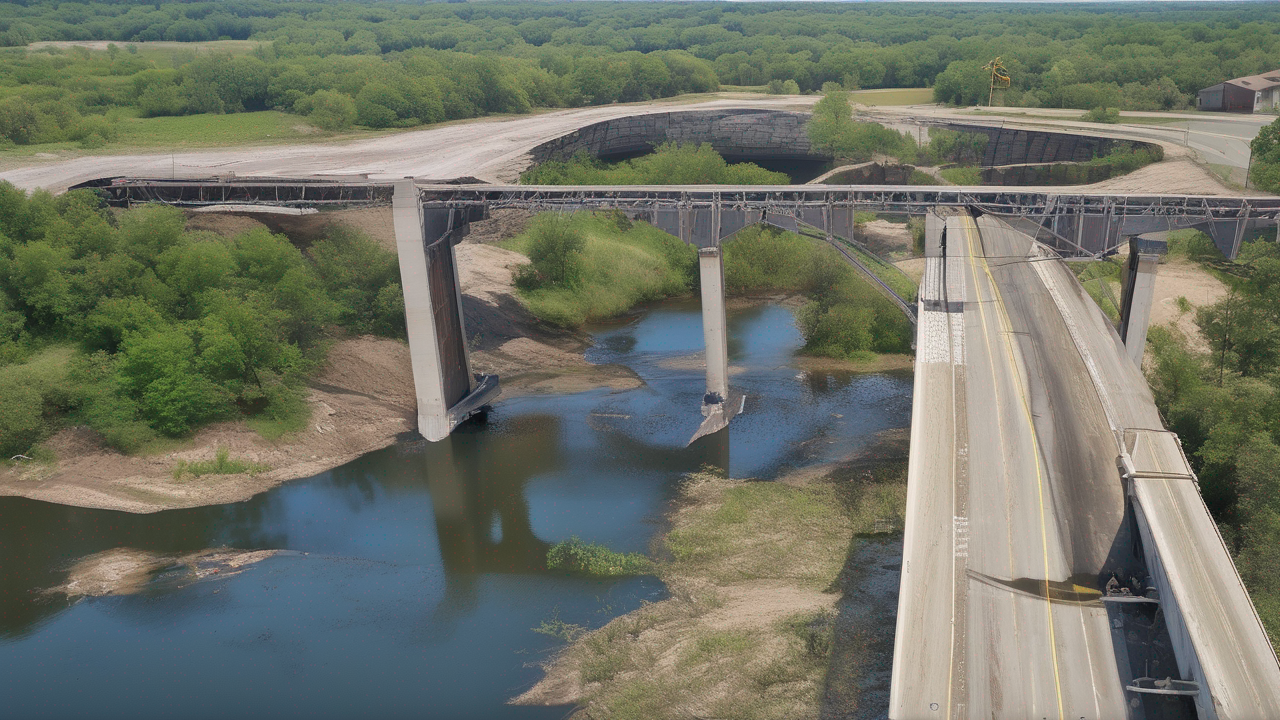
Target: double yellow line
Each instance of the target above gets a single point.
(1007, 327)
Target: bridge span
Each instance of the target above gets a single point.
(1058, 559)
(1040, 470)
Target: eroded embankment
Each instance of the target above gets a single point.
(782, 602)
(361, 401)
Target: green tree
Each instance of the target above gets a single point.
(328, 110)
(1265, 161)
(158, 370)
(555, 251)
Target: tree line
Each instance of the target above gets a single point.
(135, 326)
(385, 64)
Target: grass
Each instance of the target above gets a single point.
(731, 545)
(583, 558)
(215, 130)
(963, 175)
(221, 464)
(195, 131)
(895, 96)
(1102, 281)
(622, 265)
(809, 553)
(888, 273)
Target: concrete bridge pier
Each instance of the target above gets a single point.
(714, 328)
(446, 390)
(1135, 304)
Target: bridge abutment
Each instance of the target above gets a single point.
(1135, 305)
(446, 390)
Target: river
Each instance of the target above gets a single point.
(411, 580)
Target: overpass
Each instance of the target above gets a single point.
(1058, 559)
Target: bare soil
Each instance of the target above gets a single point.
(1183, 278)
(361, 401)
(127, 571)
(886, 238)
(913, 267)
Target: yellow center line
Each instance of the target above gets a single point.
(995, 389)
(1035, 448)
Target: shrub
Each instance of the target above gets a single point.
(161, 100)
(669, 164)
(963, 175)
(834, 132)
(360, 276)
(783, 87)
(1107, 115)
(582, 558)
(916, 227)
(555, 252)
(619, 268)
(328, 109)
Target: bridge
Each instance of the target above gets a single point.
(1058, 558)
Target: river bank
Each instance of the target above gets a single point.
(362, 400)
(771, 584)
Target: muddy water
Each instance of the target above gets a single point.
(411, 579)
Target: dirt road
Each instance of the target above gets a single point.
(490, 149)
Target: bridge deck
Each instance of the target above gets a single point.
(1017, 513)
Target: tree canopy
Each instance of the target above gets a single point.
(398, 64)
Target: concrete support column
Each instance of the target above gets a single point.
(714, 328)
(1135, 307)
(424, 349)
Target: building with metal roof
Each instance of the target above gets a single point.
(1254, 93)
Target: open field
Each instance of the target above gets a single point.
(892, 96)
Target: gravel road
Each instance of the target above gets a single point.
(492, 149)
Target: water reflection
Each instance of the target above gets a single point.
(416, 573)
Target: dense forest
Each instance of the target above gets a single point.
(384, 64)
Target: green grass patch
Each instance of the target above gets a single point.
(583, 558)
(724, 541)
(896, 96)
(888, 273)
(621, 264)
(963, 175)
(207, 130)
(717, 647)
(221, 464)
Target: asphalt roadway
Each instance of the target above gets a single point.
(1017, 513)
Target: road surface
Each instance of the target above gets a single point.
(490, 149)
(1017, 512)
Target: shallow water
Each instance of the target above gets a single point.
(415, 575)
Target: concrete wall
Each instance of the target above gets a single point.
(1020, 147)
(739, 134)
